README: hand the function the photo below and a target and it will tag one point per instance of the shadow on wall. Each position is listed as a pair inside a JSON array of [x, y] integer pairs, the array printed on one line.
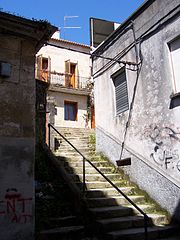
[[52, 112], [175, 101], [176, 215]]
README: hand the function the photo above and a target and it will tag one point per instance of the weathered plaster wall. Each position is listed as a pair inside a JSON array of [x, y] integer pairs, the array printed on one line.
[[159, 187], [58, 99], [17, 140], [153, 134]]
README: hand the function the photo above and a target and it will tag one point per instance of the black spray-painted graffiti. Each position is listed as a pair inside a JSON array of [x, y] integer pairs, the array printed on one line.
[[169, 159], [163, 153]]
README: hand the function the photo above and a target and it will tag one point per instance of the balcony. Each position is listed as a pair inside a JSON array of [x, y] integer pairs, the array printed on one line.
[[64, 82]]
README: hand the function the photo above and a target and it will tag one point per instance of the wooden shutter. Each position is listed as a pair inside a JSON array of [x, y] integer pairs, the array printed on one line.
[[38, 73], [76, 77], [121, 92], [67, 73], [49, 69]]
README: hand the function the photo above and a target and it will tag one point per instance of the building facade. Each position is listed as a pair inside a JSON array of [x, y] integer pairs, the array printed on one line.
[[20, 40], [67, 67], [137, 99]]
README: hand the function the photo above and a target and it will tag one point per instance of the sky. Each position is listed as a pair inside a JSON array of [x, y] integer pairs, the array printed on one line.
[[78, 12]]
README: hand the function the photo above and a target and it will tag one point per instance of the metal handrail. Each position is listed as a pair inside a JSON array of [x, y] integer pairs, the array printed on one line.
[[146, 218]]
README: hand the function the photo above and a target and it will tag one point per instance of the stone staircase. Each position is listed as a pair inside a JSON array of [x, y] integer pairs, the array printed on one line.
[[56, 217], [111, 215]]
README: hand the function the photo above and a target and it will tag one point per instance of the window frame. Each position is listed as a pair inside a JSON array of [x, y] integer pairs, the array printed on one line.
[[75, 106], [176, 90]]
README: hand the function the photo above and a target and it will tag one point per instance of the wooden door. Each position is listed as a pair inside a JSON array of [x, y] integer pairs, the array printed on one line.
[[44, 74], [67, 73], [73, 76], [38, 67], [92, 117]]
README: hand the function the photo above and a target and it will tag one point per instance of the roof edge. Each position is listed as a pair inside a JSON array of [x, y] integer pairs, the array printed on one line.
[[70, 42], [123, 25]]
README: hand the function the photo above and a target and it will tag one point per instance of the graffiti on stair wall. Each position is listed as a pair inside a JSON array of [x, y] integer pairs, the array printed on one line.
[[163, 152], [15, 207]]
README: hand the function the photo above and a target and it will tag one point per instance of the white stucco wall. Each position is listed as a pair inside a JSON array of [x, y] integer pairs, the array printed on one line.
[[59, 99], [58, 54], [58, 57], [153, 133]]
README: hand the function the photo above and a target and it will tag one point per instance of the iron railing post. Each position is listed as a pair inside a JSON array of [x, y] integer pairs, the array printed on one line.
[[84, 176], [145, 227], [49, 135]]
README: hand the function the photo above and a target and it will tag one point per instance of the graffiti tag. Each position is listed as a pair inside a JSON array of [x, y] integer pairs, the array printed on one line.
[[16, 207]]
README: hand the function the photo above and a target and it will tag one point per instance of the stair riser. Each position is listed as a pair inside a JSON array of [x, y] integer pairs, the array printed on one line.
[[76, 164], [96, 185], [71, 152], [112, 202], [113, 213], [66, 236], [152, 235], [90, 170], [91, 177], [63, 222], [72, 138], [140, 236], [110, 192], [121, 225], [80, 163]]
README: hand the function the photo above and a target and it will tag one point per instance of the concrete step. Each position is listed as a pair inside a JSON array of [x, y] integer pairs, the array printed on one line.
[[110, 212], [71, 129], [89, 170], [175, 236], [64, 221], [70, 152], [77, 145], [78, 163], [138, 233], [63, 233], [96, 177], [74, 156], [147, 208], [72, 137], [109, 192], [112, 224], [101, 184], [118, 211], [113, 201], [118, 223]]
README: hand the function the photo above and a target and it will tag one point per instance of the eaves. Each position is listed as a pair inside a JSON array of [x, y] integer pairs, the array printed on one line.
[[105, 44]]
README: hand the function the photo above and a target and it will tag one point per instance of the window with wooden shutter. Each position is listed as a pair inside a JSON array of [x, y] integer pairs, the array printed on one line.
[[43, 68], [71, 74], [121, 92]]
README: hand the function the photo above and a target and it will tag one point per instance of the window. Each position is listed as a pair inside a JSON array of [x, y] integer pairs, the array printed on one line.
[[120, 84], [42, 68], [70, 111], [71, 74], [175, 59]]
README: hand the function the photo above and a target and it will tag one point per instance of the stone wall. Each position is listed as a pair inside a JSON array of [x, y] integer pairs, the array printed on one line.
[[17, 139]]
